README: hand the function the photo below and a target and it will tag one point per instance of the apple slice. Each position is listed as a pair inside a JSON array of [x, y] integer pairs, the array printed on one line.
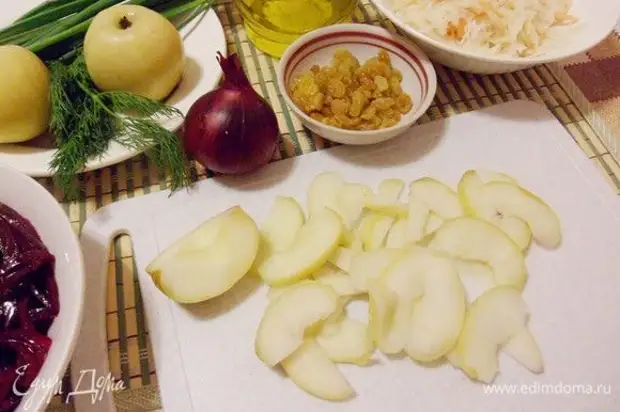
[[469, 189], [382, 306], [314, 243], [323, 191], [391, 189], [341, 258], [506, 199], [284, 220], [347, 341], [428, 195], [433, 223], [430, 305], [494, 319], [209, 260], [311, 370], [370, 265], [275, 291], [349, 203], [397, 236], [375, 231], [286, 319], [342, 283], [474, 239]]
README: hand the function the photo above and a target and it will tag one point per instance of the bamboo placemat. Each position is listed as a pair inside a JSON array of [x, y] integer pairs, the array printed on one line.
[[131, 361]]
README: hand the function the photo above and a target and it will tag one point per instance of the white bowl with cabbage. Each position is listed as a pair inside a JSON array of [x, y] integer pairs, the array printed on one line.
[[498, 36]]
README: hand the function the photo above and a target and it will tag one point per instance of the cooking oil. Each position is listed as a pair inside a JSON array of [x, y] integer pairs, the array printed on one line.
[[272, 25]]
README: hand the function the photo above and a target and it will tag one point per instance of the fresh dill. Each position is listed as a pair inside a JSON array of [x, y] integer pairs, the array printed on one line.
[[85, 121]]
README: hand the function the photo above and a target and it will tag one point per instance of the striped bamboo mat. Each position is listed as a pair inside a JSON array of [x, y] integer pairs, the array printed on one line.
[[561, 87]]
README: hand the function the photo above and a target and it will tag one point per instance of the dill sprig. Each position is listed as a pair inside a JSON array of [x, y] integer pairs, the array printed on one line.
[[85, 121]]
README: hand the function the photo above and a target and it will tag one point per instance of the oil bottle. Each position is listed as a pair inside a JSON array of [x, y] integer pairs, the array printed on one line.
[[272, 25]]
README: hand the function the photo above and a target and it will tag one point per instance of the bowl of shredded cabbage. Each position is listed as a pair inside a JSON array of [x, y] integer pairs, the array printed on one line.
[[497, 36]]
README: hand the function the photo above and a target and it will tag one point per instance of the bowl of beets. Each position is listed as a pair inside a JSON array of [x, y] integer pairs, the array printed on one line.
[[41, 293]]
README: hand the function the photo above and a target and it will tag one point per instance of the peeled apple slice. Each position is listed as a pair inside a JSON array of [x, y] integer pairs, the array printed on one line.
[[375, 231], [275, 291], [314, 243], [470, 238], [323, 191], [494, 319], [347, 341], [342, 283], [311, 370], [382, 306], [286, 319], [209, 260], [428, 195], [391, 189], [284, 220], [370, 265]]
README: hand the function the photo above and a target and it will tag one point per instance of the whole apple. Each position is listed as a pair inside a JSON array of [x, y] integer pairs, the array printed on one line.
[[24, 95], [134, 49]]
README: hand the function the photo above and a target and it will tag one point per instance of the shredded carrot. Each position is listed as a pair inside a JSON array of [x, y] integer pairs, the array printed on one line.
[[456, 31]]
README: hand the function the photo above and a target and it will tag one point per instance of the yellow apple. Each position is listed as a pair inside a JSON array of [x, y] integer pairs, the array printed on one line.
[[25, 101], [134, 49]]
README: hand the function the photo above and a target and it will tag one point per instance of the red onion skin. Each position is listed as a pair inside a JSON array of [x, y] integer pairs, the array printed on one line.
[[232, 129]]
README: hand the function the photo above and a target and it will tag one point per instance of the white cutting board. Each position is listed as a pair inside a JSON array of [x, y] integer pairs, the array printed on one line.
[[205, 355]]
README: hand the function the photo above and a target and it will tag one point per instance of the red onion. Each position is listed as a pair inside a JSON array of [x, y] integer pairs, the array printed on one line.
[[232, 129]]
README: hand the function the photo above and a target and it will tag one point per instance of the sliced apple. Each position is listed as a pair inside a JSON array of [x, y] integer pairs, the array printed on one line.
[[370, 265], [349, 203], [323, 191], [347, 341], [506, 199], [209, 260], [382, 306], [428, 195], [492, 321], [375, 231], [341, 258], [275, 291], [488, 175], [391, 189], [523, 348], [397, 236], [470, 238], [314, 243], [430, 305], [342, 283], [284, 220], [311, 370], [439, 309], [433, 223], [281, 330]]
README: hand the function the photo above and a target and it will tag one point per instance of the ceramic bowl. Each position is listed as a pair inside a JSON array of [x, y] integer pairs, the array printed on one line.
[[26, 196], [596, 20], [363, 41]]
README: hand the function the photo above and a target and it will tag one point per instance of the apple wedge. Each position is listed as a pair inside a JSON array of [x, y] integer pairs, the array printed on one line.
[[382, 306], [474, 239], [209, 260], [323, 191], [275, 291], [493, 320], [428, 195], [311, 370], [343, 284], [347, 341], [314, 243], [284, 220], [397, 236], [370, 265], [375, 231], [287, 318], [391, 189]]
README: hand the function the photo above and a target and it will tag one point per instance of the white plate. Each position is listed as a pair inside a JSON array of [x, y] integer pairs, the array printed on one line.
[[203, 37]]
